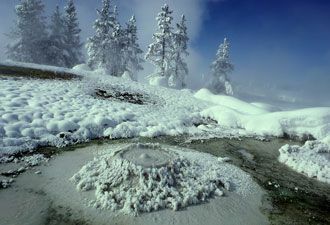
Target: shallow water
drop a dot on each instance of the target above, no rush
(292, 198)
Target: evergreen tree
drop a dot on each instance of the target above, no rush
(116, 55)
(160, 51)
(105, 47)
(73, 55)
(29, 35)
(221, 67)
(132, 60)
(98, 44)
(55, 53)
(118, 46)
(178, 77)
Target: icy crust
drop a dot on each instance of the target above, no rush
(188, 178)
(311, 159)
(29, 161)
(34, 160)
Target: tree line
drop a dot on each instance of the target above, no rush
(113, 47)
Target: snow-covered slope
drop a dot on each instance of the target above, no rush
(53, 112)
(236, 114)
(56, 112)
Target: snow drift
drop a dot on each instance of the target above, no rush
(311, 159)
(232, 113)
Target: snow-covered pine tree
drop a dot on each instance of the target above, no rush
(132, 51)
(73, 55)
(160, 51)
(29, 35)
(105, 47)
(221, 67)
(97, 46)
(116, 55)
(178, 77)
(55, 53)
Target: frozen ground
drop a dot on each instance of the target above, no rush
(57, 113)
(149, 177)
(35, 196)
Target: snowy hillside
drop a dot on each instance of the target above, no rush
(37, 112)
(55, 112)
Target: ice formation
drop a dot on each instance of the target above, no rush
(6, 183)
(34, 160)
(311, 159)
(149, 177)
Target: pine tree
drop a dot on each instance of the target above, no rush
(55, 53)
(29, 35)
(132, 51)
(178, 77)
(117, 53)
(98, 44)
(104, 48)
(221, 67)
(73, 55)
(160, 51)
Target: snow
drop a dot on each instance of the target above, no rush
(24, 202)
(34, 160)
(36, 112)
(58, 112)
(81, 67)
(221, 67)
(230, 102)
(232, 113)
(36, 66)
(159, 81)
(5, 183)
(148, 177)
(311, 159)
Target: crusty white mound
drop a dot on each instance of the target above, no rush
(311, 159)
(145, 178)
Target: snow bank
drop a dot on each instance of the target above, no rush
(232, 113)
(81, 68)
(35, 66)
(229, 102)
(57, 113)
(311, 159)
(127, 181)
